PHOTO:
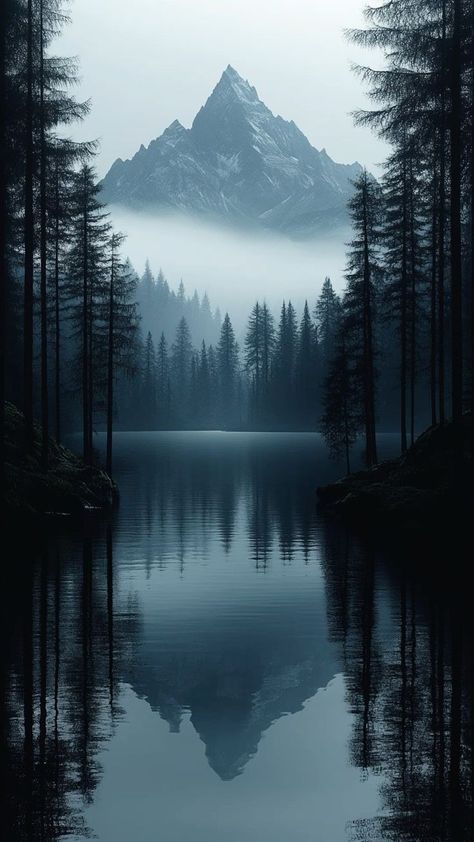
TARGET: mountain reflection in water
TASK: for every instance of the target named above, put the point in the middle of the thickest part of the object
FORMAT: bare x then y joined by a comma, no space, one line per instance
150,664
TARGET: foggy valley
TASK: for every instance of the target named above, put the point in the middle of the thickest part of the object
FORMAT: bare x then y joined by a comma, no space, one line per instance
234,267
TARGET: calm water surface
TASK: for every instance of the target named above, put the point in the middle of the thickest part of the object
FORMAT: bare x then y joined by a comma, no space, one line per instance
216,662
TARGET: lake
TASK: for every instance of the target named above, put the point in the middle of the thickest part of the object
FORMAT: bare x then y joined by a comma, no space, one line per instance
217,661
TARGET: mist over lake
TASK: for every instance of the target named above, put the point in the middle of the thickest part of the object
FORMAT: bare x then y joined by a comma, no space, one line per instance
233,266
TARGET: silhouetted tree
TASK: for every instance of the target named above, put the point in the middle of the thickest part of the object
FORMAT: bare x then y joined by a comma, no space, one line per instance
122,320
227,360
306,369
181,355
341,418
90,235
362,268
327,314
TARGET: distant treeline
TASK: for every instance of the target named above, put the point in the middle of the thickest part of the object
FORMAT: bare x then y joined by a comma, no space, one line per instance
286,373
162,308
272,382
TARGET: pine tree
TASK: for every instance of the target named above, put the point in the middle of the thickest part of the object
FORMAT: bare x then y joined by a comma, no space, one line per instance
87,287
326,315
306,369
181,355
284,364
164,385
227,362
122,327
268,343
362,269
254,355
341,418
203,402
425,92
149,381
401,234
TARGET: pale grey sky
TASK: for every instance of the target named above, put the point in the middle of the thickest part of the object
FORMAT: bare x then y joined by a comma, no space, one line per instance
146,62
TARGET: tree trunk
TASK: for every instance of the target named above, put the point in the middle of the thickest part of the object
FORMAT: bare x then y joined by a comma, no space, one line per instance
403,321
90,378
442,225
85,333
57,334
43,267
28,241
433,337
412,306
472,223
110,366
3,244
369,377
455,207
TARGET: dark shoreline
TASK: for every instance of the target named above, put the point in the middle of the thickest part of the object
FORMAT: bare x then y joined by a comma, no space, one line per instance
68,489
424,492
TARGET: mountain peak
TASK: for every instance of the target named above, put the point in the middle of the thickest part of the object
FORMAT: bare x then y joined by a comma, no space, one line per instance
232,72
232,84
237,161
174,128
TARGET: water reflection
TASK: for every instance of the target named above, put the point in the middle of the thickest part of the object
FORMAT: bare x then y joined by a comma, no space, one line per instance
216,598
408,662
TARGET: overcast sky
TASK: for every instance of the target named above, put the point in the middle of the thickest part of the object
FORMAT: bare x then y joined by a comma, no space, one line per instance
146,62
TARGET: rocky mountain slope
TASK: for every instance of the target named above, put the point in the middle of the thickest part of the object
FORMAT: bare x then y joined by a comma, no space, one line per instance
238,162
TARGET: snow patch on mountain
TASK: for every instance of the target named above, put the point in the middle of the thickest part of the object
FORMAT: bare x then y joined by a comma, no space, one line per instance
238,161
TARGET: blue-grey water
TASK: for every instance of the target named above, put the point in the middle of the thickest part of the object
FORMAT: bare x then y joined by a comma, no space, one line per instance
216,661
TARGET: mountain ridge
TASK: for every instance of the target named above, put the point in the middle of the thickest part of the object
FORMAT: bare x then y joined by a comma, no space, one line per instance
238,162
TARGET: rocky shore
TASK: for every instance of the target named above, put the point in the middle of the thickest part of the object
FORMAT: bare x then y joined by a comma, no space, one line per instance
68,487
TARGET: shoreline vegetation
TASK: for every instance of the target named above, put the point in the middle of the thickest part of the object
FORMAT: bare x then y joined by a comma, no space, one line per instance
423,492
68,487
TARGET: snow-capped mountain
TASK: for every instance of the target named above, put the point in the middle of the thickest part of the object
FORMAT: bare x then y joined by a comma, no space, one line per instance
237,161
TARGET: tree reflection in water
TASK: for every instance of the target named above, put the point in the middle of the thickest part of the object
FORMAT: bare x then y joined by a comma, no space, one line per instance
409,682
68,644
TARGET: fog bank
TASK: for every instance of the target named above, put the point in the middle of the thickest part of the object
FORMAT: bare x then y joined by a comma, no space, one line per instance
234,267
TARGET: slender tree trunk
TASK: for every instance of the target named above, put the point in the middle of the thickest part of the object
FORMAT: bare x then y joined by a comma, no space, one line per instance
43,263
90,379
346,436
455,207
369,376
3,243
412,306
442,231
85,332
110,365
403,321
57,341
472,222
433,336
28,241
257,363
